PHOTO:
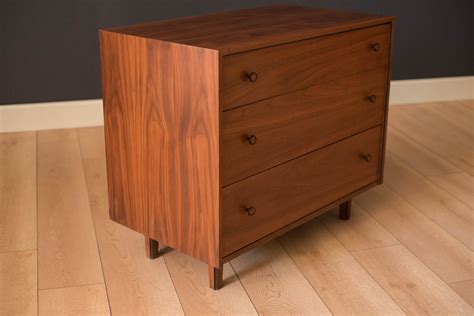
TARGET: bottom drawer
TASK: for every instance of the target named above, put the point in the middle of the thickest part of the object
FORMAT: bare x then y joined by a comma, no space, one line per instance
292,190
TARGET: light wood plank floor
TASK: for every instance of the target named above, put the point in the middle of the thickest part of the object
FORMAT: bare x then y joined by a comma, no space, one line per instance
408,248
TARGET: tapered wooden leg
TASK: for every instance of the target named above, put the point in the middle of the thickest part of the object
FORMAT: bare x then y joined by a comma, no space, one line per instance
215,277
152,248
345,210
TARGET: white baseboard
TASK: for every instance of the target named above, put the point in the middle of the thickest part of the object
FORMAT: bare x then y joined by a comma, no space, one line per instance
83,113
431,90
51,115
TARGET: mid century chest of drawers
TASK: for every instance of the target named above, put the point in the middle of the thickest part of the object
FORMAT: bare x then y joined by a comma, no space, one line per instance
226,130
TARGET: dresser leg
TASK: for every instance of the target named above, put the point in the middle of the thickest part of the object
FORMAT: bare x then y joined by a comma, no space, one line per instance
152,248
215,277
345,210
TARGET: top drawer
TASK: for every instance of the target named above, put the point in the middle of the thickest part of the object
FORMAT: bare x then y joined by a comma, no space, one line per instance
271,71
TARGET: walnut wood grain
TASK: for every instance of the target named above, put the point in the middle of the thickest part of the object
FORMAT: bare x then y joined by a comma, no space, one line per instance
179,106
237,31
293,124
297,65
161,128
290,191
299,222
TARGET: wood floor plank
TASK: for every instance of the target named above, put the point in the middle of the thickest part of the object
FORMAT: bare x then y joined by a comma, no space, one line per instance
416,156
77,300
275,284
18,283
449,116
135,284
17,191
442,137
437,249
465,289
439,205
469,104
92,143
338,278
190,278
456,112
67,247
415,288
358,233
461,185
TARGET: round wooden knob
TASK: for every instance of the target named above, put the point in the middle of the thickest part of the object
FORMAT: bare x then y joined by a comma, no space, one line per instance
368,157
375,47
252,76
372,98
251,211
252,139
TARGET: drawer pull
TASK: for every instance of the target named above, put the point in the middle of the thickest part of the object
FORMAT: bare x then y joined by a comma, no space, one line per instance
375,47
252,139
372,98
368,157
250,211
252,76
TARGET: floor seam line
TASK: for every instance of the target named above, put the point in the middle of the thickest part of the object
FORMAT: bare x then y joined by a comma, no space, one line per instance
81,156
172,283
243,287
427,217
70,286
304,276
368,273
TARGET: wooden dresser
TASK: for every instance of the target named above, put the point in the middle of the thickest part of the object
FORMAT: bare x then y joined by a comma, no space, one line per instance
226,130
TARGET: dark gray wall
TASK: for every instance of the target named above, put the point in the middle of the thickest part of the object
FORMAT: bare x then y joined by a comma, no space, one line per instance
49,48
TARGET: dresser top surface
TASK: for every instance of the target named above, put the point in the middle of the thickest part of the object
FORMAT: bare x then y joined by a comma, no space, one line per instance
237,31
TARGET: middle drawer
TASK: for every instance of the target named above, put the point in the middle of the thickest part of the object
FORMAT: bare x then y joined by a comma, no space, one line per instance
269,132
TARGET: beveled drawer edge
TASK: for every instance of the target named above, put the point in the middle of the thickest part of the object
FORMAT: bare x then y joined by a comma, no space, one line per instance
306,153
311,37
298,222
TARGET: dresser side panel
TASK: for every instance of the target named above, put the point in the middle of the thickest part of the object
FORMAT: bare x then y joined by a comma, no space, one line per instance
161,112
387,100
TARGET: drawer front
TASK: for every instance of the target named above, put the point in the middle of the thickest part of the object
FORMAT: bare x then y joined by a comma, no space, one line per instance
290,191
269,132
264,73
